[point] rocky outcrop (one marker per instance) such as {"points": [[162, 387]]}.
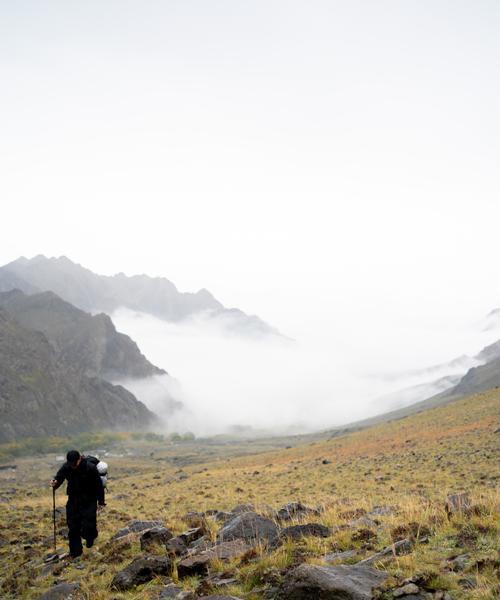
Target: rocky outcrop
{"points": [[141, 570], [153, 295], [251, 527], [86, 343], [40, 395], [310, 582]]}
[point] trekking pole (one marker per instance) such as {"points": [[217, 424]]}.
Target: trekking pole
{"points": [[54, 515]]}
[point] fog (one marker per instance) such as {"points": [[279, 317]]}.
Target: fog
{"points": [[231, 384]]}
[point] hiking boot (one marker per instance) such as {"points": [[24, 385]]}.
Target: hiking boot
{"points": [[89, 543]]}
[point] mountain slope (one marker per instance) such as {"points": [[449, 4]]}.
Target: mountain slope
{"points": [[41, 396], [154, 295], [87, 343]]}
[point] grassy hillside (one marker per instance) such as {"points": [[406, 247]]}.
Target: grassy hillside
{"points": [[407, 466]]}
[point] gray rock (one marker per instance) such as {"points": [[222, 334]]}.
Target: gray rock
{"points": [[218, 597], [141, 570], [251, 527], [176, 546], [294, 510], [405, 590], [156, 536], [176, 593], [295, 532], [311, 582], [62, 591], [198, 563], [136, 527]]}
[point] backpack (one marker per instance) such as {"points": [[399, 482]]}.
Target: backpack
{"points": [[102, 468]]}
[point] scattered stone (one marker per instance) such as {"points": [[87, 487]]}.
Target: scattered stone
{"points": [[136, 527], [172, 591], [192, 535], [154, 537], [294, 510], [176, 546], [198, 563], [457, 503], [349, 582], [251, 527], [217, 597], [409, 588], [141, 570], [295, 532], [62, 591], [458, 563]]}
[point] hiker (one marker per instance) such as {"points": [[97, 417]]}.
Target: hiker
{"points": [[85, 490]]}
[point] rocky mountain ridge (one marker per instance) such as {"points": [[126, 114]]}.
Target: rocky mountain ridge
{"points": [[40, 395], [101, 293]]}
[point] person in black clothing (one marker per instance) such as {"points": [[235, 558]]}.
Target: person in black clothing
{"points": [[85, 491]]}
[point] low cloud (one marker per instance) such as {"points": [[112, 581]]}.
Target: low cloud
{"points": [[229, 383]]}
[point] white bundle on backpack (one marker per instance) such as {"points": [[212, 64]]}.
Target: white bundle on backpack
{"points": [[102, 469]]}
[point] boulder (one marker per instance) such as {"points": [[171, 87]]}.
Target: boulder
{"points": [[251, 527], [141, 570], [62, 591], [156, 536], [198, 563], [295, 532], [311, 582], [136, 527]]}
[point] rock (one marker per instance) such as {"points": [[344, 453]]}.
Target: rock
{"points": [[459, 562], [311, 582], [294, 510], [62, 591], [176, 546], [409, 588], [218, 597], [156, 536], [251, 527], [136, 527], [193, 534], [397, 549], [457, 503], [198, 563], [195, 519], [174, 592], [141, 570], [295, 532]]}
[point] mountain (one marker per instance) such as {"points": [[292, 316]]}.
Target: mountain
{"points": [[41, 395], [99, 293], [87, 343]]}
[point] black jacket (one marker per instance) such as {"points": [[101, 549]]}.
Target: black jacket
{"points": [[84, 482]]}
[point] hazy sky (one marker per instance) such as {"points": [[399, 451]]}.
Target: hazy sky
{"points": [[331, 166]]}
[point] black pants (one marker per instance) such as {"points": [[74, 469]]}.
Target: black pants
{"points": [[81, 516]]}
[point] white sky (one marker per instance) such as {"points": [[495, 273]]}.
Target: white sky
{"points": [[331, 166]]}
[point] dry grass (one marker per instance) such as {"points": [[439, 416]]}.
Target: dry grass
{"points": [[409, 465]]}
